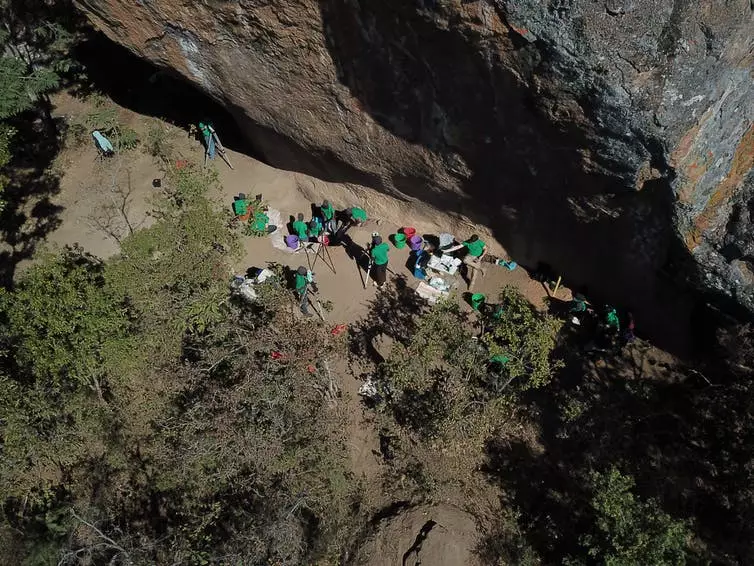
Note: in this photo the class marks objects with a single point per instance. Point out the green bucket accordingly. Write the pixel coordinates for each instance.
(477, 300)
(399, 240)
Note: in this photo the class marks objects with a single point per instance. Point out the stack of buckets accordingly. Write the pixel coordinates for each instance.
(405, 235)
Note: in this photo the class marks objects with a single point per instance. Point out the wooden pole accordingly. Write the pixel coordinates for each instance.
(557, 285)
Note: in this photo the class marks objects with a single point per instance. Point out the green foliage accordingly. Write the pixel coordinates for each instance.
(526, 338)
(436, 410)
(185, 376)
(158, 142)
(426, 381)
(61, 319)
(504, 541)
(106, 119)
(31, 58)
(20, 87)
(61, 324)
(35, 52)
(629, 531)
(442, 378)
(6, 137)
(189, 183)
(260, 443)
(176, 272)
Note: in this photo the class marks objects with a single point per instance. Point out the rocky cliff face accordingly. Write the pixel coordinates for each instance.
(612, 139)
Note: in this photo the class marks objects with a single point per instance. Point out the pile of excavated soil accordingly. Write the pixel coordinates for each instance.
(439, 535)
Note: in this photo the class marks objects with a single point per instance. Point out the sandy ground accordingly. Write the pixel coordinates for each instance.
(90, 216)
(292, 193)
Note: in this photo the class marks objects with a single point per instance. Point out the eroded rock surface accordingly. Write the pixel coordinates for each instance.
(612, 139)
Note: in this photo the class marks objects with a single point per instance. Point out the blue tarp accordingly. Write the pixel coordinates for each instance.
(102, 142)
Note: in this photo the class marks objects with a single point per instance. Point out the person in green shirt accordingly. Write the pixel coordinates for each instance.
(301, 283)
(354, 216)
(358, 215)
(315, 228)
(260, 224)
(577, 308)
(300, 228)
(328, 216)
(612, 322)
(378, 253)
(474, 250)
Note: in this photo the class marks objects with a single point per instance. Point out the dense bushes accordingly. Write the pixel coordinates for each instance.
(145, 419)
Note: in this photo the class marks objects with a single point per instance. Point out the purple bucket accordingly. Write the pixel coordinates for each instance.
(291, 241)
(415, 243)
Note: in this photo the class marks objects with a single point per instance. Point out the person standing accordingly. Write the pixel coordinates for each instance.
(379, 255)
(301, 283)
(475, 250)
(300, 228)
(328, 216)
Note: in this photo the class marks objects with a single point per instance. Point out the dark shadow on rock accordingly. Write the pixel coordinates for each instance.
(146, 89)
(527, 176)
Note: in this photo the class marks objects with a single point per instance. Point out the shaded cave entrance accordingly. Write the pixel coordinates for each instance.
(146, 89)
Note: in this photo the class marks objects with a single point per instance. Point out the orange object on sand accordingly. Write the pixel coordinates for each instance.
(338, 329)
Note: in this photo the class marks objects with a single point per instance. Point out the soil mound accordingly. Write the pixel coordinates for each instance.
(440, 535)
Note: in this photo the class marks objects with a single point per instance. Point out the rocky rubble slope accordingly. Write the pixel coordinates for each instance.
(612, 139)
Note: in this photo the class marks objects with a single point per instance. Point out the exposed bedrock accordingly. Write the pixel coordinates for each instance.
(612, 139)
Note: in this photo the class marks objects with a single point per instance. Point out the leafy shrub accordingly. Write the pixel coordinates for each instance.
(105, 118)
(189, 183)
(61, 319)
(158, 143)
(629, 531)
(524, 338)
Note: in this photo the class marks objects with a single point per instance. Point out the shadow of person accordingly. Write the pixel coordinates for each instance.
(355, 251)
(392, 314)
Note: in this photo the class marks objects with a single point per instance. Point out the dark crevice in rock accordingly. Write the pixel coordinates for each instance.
(418, 542)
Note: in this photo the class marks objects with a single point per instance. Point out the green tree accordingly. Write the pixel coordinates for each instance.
(186, 376)
(521, 339)
(21, 85)
(6, 135)
(61, 320)
(35, 44)
(59, 323)
(629, 531)
(443, 397)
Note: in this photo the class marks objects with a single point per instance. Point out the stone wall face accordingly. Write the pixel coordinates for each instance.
(612, 139)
